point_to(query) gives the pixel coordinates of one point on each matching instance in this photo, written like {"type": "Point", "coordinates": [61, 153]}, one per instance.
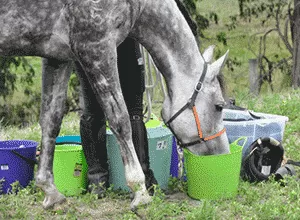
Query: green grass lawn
{"type": "Point", "coordinates": [267, 200]}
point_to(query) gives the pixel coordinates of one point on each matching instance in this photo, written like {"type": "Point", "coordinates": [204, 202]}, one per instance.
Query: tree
{"type": "Point", "coordinates": [295, 22]}
{"type": "Point", "coordinates": [288, 31]}
{"type": "Point", "coordinates": [23, 112]}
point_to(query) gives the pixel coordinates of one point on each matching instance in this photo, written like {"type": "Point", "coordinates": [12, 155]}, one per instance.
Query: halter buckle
{"type": "Point", "coordinates": [136, 117]}
{"type": "Point", "coordinates": [198, 87]}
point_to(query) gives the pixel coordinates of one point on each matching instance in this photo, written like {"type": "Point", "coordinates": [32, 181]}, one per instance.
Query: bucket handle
{"type": "Point", "coordinates": [28, 160]}
{"type": "Point", "coordinates": [34, 162]}
{"type": "Point", "coordinates": [68, 142]}
{"type": "Point", "coordinates": [239, 139]}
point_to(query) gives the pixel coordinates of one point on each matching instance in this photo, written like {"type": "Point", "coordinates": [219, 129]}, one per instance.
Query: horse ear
{"type": "Point", "coordinates": [208, 53]}
{"type": "Point", "coordinates": [218, 65]}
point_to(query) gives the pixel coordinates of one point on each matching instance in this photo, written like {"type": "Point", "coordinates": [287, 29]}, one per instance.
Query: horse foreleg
{"type": "Point", "coordinates": [119, 122]}
{"type": "Point", "coordinates": [103, 77]}
{"type": "Point", "coordinates": [54, 93]}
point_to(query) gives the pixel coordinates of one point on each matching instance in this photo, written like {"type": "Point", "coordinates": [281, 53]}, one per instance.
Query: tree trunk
{"type": "Point", "coordinates": [254, 77]}
{"type": "Point", "coordinates": [241, 7]}
{"type": "Point", "coordinates": [296, 44]}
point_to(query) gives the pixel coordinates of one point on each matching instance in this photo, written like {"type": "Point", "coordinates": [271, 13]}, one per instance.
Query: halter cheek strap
{"type": "Point", "coordinates": [191, 105]}
{"type": "Point", "coordinates": [200, 130]}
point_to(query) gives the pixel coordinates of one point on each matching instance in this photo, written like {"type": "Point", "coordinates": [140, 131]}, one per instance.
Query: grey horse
{"type": "Point", "coordinates": [88, 32]}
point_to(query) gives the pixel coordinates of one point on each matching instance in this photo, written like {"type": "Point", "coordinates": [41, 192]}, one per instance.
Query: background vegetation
{"type": "Point", "coordinates": [265, 200]}
{"type": "Point", "coordinates": [227, 30]}
{"type": "Point", "coordinates": [235, 25]}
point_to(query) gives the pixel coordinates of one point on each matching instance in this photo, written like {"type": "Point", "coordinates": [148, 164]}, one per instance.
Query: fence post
{"type": "Point", "coordinates": [254, 77]}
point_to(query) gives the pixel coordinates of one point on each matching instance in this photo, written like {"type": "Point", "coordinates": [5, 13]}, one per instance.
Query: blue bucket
{"type": "Point", "coordinates": [17, 160]}
{"type": "Point", "coordinates": [174, 159]}
{"type": "Point", "coordinates": [174, 168]}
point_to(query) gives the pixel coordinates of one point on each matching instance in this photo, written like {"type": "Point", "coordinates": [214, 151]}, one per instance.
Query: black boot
{"type": "Point", "coordinates": [93, 138]}
{"type": "Point", "coordinates": [140, 141]}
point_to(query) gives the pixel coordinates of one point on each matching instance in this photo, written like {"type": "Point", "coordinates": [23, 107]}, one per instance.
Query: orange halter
{"type": "Point", "coordinates": [199, 128]}
{"type": "Point", "coordinates": [191, 105]}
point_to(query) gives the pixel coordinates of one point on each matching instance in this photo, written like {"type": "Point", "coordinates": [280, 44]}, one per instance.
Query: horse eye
{"type": "Point", "coordinates": [219, 107]}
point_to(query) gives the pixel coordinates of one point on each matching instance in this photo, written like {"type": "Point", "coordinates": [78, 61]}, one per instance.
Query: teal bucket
{"type": "Point", "coordinates": [160, 150]}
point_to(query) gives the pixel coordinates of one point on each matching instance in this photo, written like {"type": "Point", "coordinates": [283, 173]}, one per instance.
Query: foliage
{"type": "Point", "coordinates": [25, 111]}
{"type": "Point", "coordinates": [264, 10]}
{"type": "Point", "coordinates": [278, 13]}
{"type": "Point", "coordinates": [20, 98]}
{"type": "Point", "coordinates": [8, 78]}
{"type": "Point", "coordinates": [202, 21]}
{"type": "Point", "coordinates": [73, 100]}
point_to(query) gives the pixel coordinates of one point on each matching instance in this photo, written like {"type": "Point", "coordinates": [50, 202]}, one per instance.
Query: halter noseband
{"type": "Point", "coordinates": [191, 105]}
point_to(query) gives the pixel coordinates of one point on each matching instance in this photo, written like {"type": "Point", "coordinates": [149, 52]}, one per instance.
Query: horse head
{"type": "Point", "coordinates": [198, 124]}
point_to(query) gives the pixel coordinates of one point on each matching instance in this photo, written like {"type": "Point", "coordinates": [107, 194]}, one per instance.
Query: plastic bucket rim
{"type": "Point", "coordinates": [234, 143]}
{"type": "Point", "coordinates": [153, 123]}
{"type": "Point", "coordinates": [238, 150]}
{"type": "Point", "coordinates": [72, 148]}
{"type": "Point", "coordinates": [32, 144]}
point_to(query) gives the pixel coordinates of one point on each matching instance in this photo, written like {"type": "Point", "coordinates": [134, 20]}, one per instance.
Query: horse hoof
{"type": "Point", "coordinates": [141, 198]}
{"type": "Point", "coordinates": [54, 199]}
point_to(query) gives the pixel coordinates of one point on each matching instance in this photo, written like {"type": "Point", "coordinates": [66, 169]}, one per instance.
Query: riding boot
{"type": "Point", "coordinates": [140, 141]}
{"type": "Point", "coordinates": [93, 138]}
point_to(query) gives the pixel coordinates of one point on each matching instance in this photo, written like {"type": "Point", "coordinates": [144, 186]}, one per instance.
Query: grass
{"type": "Point", "coordinates": [266, 200]}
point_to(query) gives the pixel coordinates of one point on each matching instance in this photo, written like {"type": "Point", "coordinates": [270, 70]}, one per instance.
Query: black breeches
{"type": "Point", "coordinates": [131, 76]}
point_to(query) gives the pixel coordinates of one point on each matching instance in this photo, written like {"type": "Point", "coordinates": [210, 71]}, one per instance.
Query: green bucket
{"type": "Point", "coordinates": [214, 176]}
{"type": "Point", "coordinates": [70, 169]}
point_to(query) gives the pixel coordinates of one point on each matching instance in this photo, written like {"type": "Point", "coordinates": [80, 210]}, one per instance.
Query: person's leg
{"type": "Point", "coordinates": [140, 141]}
{"type": "Point", "coordinates": [93, 137]}
{"type": "Point", "coordinates": [131, 73]}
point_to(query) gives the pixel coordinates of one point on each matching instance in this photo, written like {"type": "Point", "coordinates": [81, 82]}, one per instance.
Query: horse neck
{"type": "Point", "coordinates": [164, 32]}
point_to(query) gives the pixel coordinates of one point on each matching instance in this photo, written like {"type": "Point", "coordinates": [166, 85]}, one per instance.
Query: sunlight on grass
{"type": "Point", "coordinates": [70, 126]}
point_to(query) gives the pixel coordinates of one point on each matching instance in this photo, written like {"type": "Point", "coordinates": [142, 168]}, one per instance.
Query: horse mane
{"type": "Point", "coordinates": [185, 13]}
